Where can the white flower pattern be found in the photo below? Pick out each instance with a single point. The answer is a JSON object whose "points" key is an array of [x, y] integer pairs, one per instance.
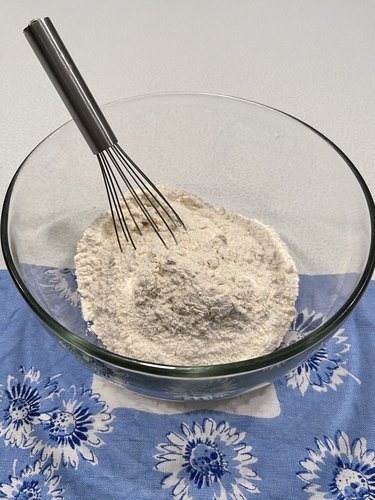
{"points": [[21, 401], [338, 469], [34, 482], [326, 368], [56, 426], [211, 459], [72, 429], [64, 283]]}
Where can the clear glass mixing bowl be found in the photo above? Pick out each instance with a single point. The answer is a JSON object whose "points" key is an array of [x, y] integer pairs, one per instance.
{"points": [[249, 158]]}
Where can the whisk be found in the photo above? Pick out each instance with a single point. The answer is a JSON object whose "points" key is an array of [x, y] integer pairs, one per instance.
{"points": [[116, 166]]}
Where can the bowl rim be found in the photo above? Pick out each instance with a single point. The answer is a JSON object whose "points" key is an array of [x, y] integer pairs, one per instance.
{"points": [[199, 371]]}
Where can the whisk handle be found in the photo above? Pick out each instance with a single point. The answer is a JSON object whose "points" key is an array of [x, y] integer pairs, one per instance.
{"points": [[67, 80]]}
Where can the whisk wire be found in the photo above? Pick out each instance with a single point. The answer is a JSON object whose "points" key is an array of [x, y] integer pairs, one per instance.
{"points": [[145, 189], [110, 202], [116, 202], [120, 214], [147, 179], [121, 192], [138, 179], [138, 200]]}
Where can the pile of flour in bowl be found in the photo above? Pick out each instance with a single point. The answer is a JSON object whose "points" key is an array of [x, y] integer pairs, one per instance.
{"points": [[225, 293]]}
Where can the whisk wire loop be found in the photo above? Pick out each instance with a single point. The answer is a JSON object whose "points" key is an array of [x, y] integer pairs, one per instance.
{"points": [[109, 196], [133, 192], [121, 192], [148, 194], [147, 179], [116, 166]]}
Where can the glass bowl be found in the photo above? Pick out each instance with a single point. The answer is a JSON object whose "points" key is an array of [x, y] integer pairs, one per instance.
{"points": [[237, 154]]}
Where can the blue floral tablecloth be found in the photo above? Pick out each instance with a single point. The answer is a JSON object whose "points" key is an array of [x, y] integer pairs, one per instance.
{"points": [[66, 434]]}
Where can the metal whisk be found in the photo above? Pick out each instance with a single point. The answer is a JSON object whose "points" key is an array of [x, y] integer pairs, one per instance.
{"points": [[116, 166]]}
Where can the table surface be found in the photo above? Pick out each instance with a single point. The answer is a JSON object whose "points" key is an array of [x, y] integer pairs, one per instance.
{"points": [[312, 59]]}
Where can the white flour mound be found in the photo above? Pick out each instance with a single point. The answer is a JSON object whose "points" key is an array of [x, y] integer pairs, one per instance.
{"points": [[225, 293]]}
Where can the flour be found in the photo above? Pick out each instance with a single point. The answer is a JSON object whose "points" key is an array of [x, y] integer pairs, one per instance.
{"points": [[225, 293]]}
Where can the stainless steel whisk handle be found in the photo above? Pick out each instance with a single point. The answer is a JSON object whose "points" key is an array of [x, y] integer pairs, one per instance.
{"points": [[67, 80]]}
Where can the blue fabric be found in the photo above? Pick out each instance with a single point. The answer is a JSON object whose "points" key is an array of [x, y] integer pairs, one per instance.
{"points": [[62, 438]]}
